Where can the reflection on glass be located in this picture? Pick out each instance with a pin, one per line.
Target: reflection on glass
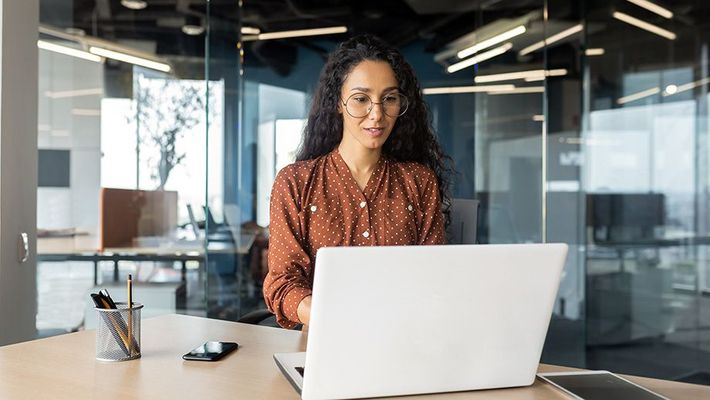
(123, 138)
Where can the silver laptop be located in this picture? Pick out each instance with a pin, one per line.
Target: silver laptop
(389, 321)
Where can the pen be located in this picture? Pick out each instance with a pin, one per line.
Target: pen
(101, 302)
(129, 284)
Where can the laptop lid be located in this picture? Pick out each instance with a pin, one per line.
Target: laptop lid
(389, 321)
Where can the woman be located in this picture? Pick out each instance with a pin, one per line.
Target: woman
(369, 172)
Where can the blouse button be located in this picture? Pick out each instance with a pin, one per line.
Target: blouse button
(410, 208)
(313, 208)
(366, 234)
(362, 204)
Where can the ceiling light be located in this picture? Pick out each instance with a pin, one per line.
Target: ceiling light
(594, 52)
(491, 42)
(466, 89)
(74, 93)
(296, 33)
(644, 25)
(510, 76)
(478, 58)
(638, 95)
(250, 30)
(193, 26)
(69, 51)
(193, 30)
(143, 62)
(655, 8)
(86, 112)
(521, 90)
(552, 39)
(134, 4)
(685, 87)
(670, 89)
(538, 118)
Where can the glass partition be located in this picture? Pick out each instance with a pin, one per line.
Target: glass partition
(122, 140)
(645, 179)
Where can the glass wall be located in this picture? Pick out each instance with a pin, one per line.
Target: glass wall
(123, 141)
(645, 179)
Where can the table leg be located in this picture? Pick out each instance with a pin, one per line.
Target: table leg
(184, 271)
(115, 270)
(96, 272)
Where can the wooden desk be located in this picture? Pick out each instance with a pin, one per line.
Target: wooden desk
(64, 367)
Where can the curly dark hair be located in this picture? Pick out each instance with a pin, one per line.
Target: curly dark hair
(412, 139)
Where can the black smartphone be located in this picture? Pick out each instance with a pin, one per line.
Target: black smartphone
(211, 351)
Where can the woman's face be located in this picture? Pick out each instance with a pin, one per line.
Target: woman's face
(376, 80)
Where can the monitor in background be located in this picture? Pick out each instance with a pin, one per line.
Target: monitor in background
(625, 216)
(53, 168)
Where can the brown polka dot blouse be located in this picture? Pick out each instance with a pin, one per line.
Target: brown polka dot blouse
(317, 203)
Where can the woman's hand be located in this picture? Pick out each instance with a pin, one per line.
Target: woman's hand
(304, 310)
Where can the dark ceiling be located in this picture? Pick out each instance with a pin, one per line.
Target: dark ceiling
(400, 22)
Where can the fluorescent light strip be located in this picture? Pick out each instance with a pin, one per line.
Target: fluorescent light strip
(466, 89)
(521, 90)
(250, 30)
(296, 33)
(478, 58)
(652, 7)
(644, 25)
(535, 78)
(143, 62)
(68, 51)
(687, 86)
(637, 96)
(491, 42)
(552, 39)
(86, 112)
(510, 76)
(74, 93)
(594, 52)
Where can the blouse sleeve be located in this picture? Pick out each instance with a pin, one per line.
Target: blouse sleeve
(287, 282)
(432, 228)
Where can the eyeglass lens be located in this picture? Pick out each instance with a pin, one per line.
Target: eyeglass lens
(360, 105)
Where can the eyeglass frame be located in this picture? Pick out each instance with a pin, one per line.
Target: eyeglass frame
(372, 105)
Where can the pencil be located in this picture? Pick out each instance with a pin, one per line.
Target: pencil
(129, 283)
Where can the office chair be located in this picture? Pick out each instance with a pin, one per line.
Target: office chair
(255, 317)
(464, 221)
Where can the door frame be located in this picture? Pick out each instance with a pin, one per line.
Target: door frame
(19, 21)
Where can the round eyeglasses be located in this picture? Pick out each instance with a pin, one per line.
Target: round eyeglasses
(359, 105)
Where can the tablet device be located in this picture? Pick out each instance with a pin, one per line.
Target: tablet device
(598, 385)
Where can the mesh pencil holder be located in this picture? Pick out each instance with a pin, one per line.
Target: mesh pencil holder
(118, 333)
